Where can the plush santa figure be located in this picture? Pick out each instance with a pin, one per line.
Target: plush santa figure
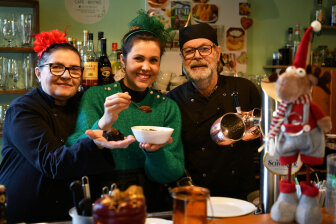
(298, 125)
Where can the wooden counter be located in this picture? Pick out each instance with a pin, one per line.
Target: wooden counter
(263, 219)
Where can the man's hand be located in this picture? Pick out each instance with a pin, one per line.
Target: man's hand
(325, 124)
(101, 142)
(153, 147)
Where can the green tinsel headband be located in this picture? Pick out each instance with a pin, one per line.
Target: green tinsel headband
(150, 24)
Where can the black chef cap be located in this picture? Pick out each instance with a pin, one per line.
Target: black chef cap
(202, 30)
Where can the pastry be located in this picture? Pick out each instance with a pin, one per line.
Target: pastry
(113, 135)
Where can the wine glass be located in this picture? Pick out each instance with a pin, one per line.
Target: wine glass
(9, 32)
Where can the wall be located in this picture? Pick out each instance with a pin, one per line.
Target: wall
(271, 20)
(54, 15)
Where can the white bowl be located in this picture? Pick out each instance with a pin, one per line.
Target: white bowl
(152, 134)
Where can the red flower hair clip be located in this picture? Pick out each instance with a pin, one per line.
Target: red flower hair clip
(44, 40)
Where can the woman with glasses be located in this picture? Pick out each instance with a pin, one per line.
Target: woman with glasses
(148, 165)
(37, 168)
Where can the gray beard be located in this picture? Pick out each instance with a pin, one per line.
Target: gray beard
(200, 82)
(198, 76)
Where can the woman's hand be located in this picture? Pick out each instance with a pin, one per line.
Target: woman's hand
(101, 142)
(113, 105)
(152, 147)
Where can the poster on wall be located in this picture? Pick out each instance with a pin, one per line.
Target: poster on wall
(229, 17)
(87, 11)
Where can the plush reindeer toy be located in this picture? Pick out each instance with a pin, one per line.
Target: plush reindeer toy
(298, 125)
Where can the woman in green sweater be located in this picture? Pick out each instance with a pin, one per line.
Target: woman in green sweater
(109, 106)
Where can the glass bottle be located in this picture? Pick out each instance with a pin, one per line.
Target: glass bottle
(113, 55)
(117, 68)
(98, 48)
(319, 12)
(289, 44)
(70, 41)
(85, 37)
(105, 75)
(90, 75)
(79, 46)
(297, 39)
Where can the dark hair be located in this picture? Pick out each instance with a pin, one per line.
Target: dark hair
(55, 47)
(129, 39)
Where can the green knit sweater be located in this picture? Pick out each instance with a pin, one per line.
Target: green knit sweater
(163, 166)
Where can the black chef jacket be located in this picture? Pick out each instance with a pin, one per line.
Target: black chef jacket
(225, 170)
(37, 167)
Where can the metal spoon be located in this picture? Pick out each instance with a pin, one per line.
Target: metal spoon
(146, 109)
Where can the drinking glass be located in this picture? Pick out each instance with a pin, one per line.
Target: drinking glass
(1, 35)
(26, 28)
(28, 72)
(13, 74)
(3, 109)
(9, 32)
(2, 75)
(5, 71)
(190, 205)
(330, 203)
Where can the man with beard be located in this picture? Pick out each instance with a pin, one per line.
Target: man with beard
(225, 170)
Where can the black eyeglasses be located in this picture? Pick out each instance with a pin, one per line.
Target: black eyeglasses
(59, 69)
(190, 52)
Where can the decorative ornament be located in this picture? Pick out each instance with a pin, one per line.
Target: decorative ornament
(298, 125)
(150, 24)
(44, 40)
(246, 22)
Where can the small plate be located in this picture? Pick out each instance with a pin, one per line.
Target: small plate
(158, 221)
(229, 207)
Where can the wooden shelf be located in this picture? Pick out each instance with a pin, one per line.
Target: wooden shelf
(19, 3)
(13, 92)
(328, 27)
(16, 49)
(274, 66)
(285, 66)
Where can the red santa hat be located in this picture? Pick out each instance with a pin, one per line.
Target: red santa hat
(302, 51)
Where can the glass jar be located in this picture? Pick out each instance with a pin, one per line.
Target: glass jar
(330, 59)
(333, 15)
(316, 60)
(323, 49)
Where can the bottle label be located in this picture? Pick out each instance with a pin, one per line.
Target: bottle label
(106, 71)
(112, 63)
(90, 70)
